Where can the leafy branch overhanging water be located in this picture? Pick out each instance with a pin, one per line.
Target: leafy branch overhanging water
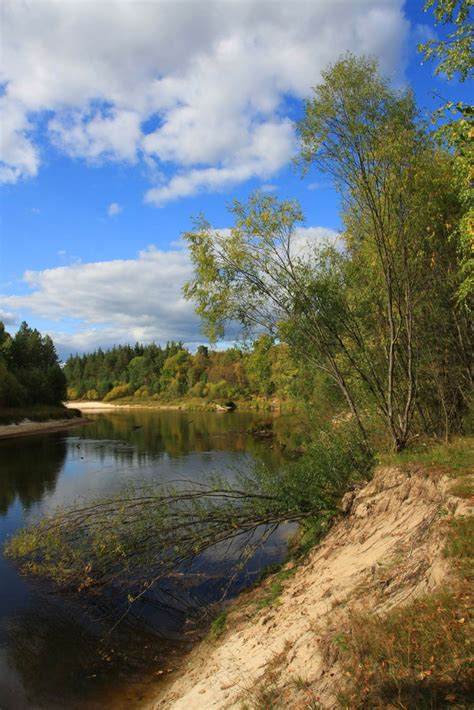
(148, 534)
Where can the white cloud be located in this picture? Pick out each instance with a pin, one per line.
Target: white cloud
(8, 317)
(197, 88)
(94, 136)
(306, 239)
(114, 209)
(114, 301)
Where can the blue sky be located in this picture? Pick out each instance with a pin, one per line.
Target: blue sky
(123, 119)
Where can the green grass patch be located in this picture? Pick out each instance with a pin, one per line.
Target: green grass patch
(218, 626)
(276, 588)
(459, 545)
(416, 657)
(463, 488)
(455, 458)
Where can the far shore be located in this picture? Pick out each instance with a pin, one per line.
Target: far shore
(29, 428)
(183, 406)
(107, 406)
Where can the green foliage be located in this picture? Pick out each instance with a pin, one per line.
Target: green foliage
(29, 369)
(276, 588)
(218, 626)
(378, 319)
(415, 657)
(455, 458)
(455, 56)
(117, 392)
(265, 370)
(462, 489)
(455, 50)
(459, 544)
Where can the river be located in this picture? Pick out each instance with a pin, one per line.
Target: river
(56, 654)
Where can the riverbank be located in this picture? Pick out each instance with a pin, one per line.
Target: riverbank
(294, 641)
(186, 404)
(29, 428)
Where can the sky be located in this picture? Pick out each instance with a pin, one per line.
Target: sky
(121, 120)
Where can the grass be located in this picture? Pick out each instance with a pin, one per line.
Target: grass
(455, 458)
(36, 413)
(462, 489)
(218, 626)
(459, 546)
(418, 656)
(276, 588)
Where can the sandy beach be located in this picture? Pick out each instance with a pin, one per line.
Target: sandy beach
(28, 428)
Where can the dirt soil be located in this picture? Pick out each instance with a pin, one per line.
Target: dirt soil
(386, 549)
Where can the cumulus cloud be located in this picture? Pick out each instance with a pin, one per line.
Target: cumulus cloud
(8, 317)
(114, 209)
(123, 300)
(197, 88)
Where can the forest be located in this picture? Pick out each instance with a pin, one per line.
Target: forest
(30, 372)
(262, 371)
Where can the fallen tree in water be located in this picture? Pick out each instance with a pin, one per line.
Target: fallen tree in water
(147, 534)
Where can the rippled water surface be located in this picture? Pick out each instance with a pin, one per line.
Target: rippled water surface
(52, 653)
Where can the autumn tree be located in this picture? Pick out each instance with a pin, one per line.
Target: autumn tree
(358, 315)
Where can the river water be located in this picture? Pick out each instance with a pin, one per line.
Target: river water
(55, 654)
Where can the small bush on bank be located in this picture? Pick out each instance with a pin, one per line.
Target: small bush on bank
(117, 392)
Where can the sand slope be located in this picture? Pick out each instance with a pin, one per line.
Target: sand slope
(385, 551)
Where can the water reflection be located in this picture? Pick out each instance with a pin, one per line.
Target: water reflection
(29, 469)
(57, 656)
(54, 654)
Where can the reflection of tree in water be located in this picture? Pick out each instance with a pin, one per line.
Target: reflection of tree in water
(176, 433)
(65, 660)
(29, 468)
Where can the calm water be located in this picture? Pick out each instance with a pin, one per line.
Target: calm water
(54, 654)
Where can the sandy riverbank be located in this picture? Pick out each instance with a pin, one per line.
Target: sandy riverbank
(386, 551)
(86, 406)
(91, 406)
(28, 428)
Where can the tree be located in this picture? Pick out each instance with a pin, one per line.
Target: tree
(32, 359)
(454, 51)
(455, 121)
(357, 315)
(255, 276)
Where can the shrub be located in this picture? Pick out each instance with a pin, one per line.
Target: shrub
(117, 392)
(141, 393)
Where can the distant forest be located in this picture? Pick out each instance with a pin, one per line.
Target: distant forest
(173, 372)
(30, 372)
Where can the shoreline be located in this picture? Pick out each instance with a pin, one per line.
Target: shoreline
(85, 406)
(373, 557)
(30, 428)
(180, 406)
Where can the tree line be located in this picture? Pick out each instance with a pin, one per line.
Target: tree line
(164, 373)
(30, 372)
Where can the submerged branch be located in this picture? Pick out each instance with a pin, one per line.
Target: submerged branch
(143, 536)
